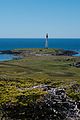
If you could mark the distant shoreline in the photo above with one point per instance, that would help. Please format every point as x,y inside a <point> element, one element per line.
<point>21,53</point>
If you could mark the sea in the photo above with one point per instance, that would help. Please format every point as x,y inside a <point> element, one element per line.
<point>14,43</point>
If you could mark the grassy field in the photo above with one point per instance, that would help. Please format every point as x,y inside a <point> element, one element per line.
<point>17,77</point>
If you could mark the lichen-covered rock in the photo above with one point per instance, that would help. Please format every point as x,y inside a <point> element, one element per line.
<point>55,105</point>
<point>77,64</point>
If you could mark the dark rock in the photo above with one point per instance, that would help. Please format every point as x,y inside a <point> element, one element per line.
<point>69,52</point>
<point>56,105</point>
<point>5,52</point>
<point>10,52</point>
<point>77,64</point>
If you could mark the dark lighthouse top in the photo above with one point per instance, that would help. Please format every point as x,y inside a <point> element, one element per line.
<point>47,35</point>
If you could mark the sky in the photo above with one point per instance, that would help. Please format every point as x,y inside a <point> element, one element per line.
<point>35,18</point>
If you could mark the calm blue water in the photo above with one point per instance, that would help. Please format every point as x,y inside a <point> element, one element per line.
<point>8,44</point>
<point>5,57</point>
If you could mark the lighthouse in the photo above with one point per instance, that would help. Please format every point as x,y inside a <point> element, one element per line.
<point>46,41</point>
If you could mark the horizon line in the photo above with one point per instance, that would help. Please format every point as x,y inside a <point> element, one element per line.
<point>39,38</point>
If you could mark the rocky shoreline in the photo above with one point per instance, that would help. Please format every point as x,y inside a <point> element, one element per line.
<point>31,52</point>
<point>10,52</point>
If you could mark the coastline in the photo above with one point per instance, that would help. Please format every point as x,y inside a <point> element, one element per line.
<point>21,53</point>
<point>45,79</point>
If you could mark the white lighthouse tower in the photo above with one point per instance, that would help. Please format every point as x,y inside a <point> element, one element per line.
<point>46,41</point>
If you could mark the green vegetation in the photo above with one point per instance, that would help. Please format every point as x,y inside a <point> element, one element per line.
<point>17,77</point>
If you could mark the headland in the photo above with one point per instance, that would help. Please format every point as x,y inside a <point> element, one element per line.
<point>44,84</point>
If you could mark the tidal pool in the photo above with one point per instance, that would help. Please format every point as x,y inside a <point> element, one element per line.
<point>5,57</point>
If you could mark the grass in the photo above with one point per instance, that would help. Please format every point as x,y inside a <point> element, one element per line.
<point>16,76</point>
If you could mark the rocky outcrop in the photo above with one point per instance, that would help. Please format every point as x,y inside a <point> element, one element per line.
<point>56,105</point>
<point>5,52</point>
<point>31,52</point>
<point>63,105</point>
<point>69,52</point>
<point>60,104</point>
<point>10,51</point>
<point>77,64</point>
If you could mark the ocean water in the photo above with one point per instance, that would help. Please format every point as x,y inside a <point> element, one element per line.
<point>8,44</point>
<point>13,43</point>
<point>6,57</point>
